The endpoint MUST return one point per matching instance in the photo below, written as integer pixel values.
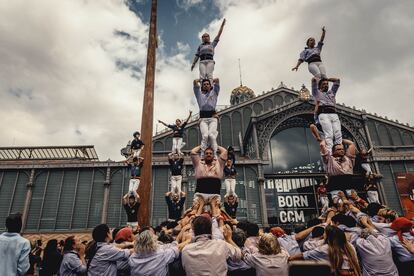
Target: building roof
(87, 153)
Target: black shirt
(136, 144)
(230, 171)
(174, 209)
(176, 166)
(231, 209)
(132, 211)
(178, 131)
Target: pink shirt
(338, 165)
(202, 170)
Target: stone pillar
(382, 196)
(107, 185)
(263, 206)
(29, 193)
(255, 140)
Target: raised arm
(333, 79)
(297, 65)
(323, 34)
(314, 87)
(221, 30)
(196, 83)
(303, 234)
(351, 146)
(323, 148)
(196, 150)
(223, 153)
(161, 122)
(189, 116)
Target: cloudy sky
(72, 71)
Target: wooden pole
(145, 186)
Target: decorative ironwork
(49, 153)
(294, 116)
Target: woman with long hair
(51, 259)
(337, 251)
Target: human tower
(212, 162)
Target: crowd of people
(350, 241)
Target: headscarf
(402, 225)
(277, 231)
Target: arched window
(294, 150)
(278, 100)
(258, 108)
(268, 104)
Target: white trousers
(331, 127)
(367, 168)
(136, 153)
(230, 186)
(176, 183)
(373, 196)
(317, 69)
(208, 129)
(206, 69)
(177, 145)
(324, 202)
(133, 185)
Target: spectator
(73, 262)
(51, 259)
(270, 259)
(205, 255)
(34, 259)
(14, 249)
